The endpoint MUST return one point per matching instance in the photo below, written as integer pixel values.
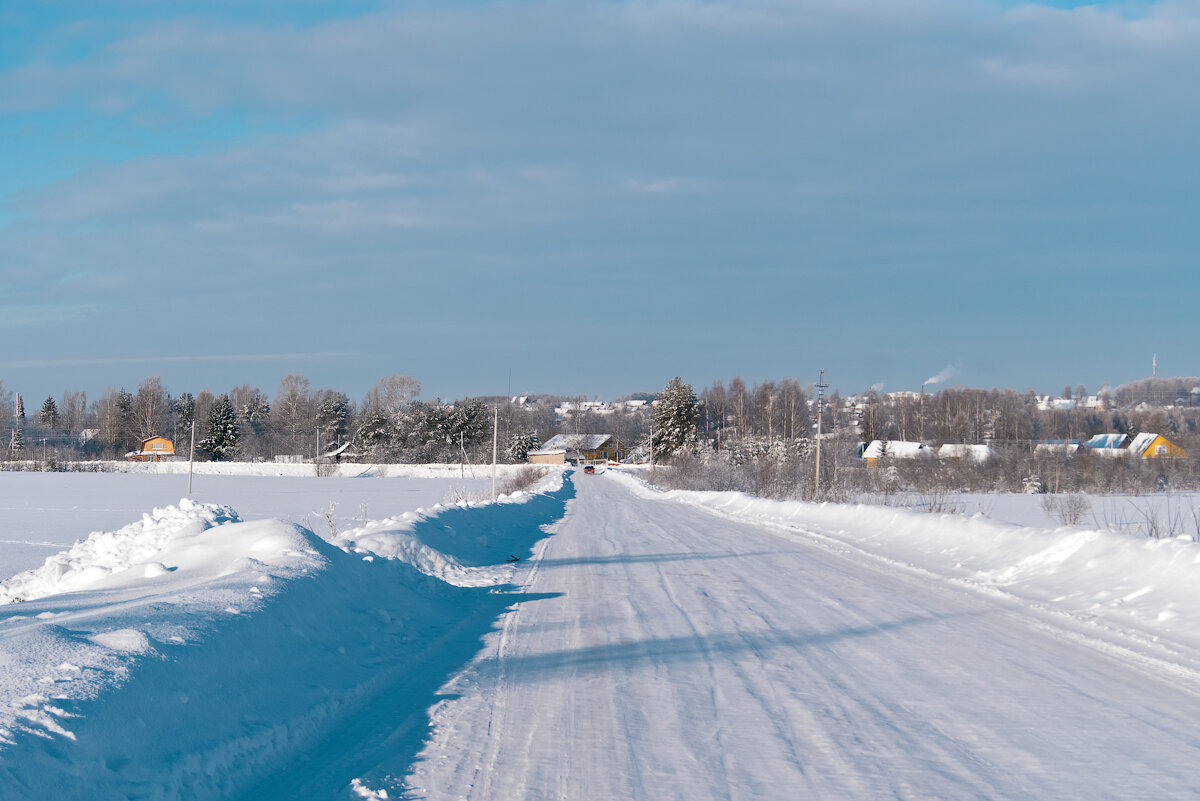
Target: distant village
(765, 429)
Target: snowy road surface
(686, 656)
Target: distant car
(590, 468)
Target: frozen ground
(41, 513)
(646, 645)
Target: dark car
(590, 468)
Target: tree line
(390, 423)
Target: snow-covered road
(687, 656)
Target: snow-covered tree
(376, 434)
(221, 439)
(16, 443)
(332, 413)
(519, 445)
(255, 410)
(20, 411)
(675, 416)
(48, 416)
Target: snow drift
(195, 655)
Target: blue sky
(595, 197)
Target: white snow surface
(599, 638)
(192, 654)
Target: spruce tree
(675, 415)
(20, 411)
(221, 439)
(519, 446)
(332, 414)
(48, 416)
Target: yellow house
(1155, 446)
(154, 449)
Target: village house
(876, 449)
(1155, 446)
(574, 448)
(154, 449)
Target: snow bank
(405, 537)
(194, 655)
(1147, 588)
(103, 554)
(75, 625)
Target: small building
(1108, 444)
(564, 448)
(341, 452)
(1155, 446)
(154, 449)
(547, 456)
(878, 449)
(1049, 447)
(976, 453)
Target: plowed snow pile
(162, 580)
(195, 655)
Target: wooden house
(154, 449)
(574, 448)
(875, 450)
(1155, 446)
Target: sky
(590, 198)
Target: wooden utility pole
(821, 387)
(495, 432)
(191, 456)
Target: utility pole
(821, 387)
(651, 437)
(495, 432)
(191, 456)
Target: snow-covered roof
(896, 449)
(1107, 441)
(576, 442)
(546, 452)
(1141, 442)
(976, 453)
(1057, 446)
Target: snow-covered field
(42, 513)
(597, 639)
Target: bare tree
(293, 408)
(150, 408)
(390, 394)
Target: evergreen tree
(20, 411)
(48, 416)
(675, 416)
(221, 439)
(16, 443)
(332, 413)
(126, 438)
(519, 445)
(376, 434)
(256, 411)
(184, 409)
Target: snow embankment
(1142, 587)
(194, 655)
(70, 626)
(406, 537)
